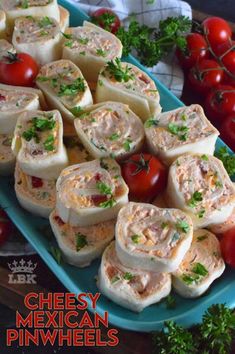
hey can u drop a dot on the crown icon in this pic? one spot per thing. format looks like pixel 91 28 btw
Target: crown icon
pixel 22 266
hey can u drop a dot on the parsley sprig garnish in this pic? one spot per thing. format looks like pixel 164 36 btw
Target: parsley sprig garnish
pixel 121 74
pixel 152 44
pixel 24 4
pixel 45 22
pixel 103 188
pixel 213 336
pixel 106 19
pixel 181 131
pixel 72 89
pixel 81 241
pixel 227 159
pixel 195 199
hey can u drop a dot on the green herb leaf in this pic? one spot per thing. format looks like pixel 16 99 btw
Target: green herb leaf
pixel 101 53
pixel 128 276
pixel 24 4
pixel 227 159
pixel 49 143
pixel 72 89
pixel 190 278
pixel 195 199
pixel 56 253
pixel 204 157
pixel 170 302
pixel 126 145
pixel 30 134
pixel 67 36
pixel 76 111
pixel 103 188
pixel 199 269
pixel 108 204
pixel 43 124
pixel 201 213
pixel 106 19
pixel 135 238
pixel 116 70
pixel 180 131
pixel 115 279
pixel 83 40
pixel 183 226
pixel 114 136
pixel 81 241
pixel 45 22
pixel 202 238
pixel 151 122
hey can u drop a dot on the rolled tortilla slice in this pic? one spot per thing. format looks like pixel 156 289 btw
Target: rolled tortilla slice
pixel 225 226
pixel 76 151
pixel 180 131
pixel 90 192
pixel 7 158
pixel 201 265
pixel 126 83
pixel 152 238
pixel 64 87
pixel 200 185
pixel 64 18
pixel 81 245
pixel 34 194
pixel 90 47
pixel 132 288
pixel 14 101
pixel 16 8
pixel 38 144
pixel 3 24
pixel 110 130
pixel 31 34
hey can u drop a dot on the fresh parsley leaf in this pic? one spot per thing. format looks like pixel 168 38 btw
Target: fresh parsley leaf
pixel 199 269
pixel 30 134
pixel 183 226
pixel 164 225
pixel 106 19
pixel 126 145
pixel 190 278
pixel 56 253
pixel 108 203
pixel 135 238
pixel 170 302
pixel 24 4
pixel 201 213
pixel 173 339
pixel 180 131
pixel 128 276
pixel 114 136
pixel 81 241
pixel 83 40
pixel 49 143
pixel 43 124
pixel 67 36
pixel 104 188
pixel 121 74
pixel 101 53
pixel 43 78
pixel 72 89
pixel 195 199
pixel 202 238
pixel 45 22
pixel 115 279
pixel 68 44
pixel 204 157
pixel 227 159
pixel 151 122
pixel 76 111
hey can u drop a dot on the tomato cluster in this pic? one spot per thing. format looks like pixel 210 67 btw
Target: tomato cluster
pixel 209 65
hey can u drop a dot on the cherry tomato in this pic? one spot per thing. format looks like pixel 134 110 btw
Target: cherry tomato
pixel 219 103
pixel 216 30
pixel 145 176
pixel 195 51
pixel 5 227
pixel 227 131
pixel 227 245
pixel 205 75
pixel 37 182
pixel 18 69
pixel 106 19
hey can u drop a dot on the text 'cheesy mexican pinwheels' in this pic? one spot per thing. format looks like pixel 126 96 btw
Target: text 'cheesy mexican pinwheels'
pixel 174 133
pixel 132 288
pixel 200 185
pixel 38 144
pixel 111 129
pixel 201 265
pixel 126 83
pixel 64 87
pixel 38 36
pixel 81 245
pixel 35 194
pixel 152 238
pixel 90 47
pixel 91 192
